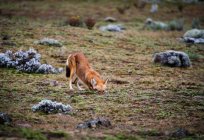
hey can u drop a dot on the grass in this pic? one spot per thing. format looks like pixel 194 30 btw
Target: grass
pixel 143 100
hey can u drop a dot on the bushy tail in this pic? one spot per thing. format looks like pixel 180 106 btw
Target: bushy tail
pixel 67 68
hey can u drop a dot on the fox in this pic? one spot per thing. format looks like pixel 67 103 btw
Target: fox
pixel 77 65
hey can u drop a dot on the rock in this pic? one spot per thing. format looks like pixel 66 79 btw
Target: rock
pixel 155 25
pixel 26 61
pixel 5 118
pixel 112 28
pixel 194 33
pixel 180 132
pixel 193 36
pixel 154 8
pixel 110 19
pixel 6 37
pixel 49 42
pixel 48 106
pixel 172 58
pixel 158 25
pixel 93 123
pixel 190 40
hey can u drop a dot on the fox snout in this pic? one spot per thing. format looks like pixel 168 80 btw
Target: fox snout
pixel 99 86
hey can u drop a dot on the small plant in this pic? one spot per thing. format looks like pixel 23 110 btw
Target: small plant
pixel 75 21
pixel 31 134
pixel 90 22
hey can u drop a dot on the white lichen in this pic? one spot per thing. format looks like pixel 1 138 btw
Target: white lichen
pixel 158 25
pixel 48 106
pixel 112 28
pixel 172 58
pixel 49 42
pixel 26 61
pixel 194 36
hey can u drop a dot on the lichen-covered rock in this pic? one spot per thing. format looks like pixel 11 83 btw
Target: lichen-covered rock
pixel 172 58
pixel 93 123
pixel 158 25
pixel 49 42
pixel 155 25
pixel 154 8
pixel 4 118
pixel 194 36
pixel 194 33
pixel 112 28
pixel 110 19
pixel 26 61
pixel 48 106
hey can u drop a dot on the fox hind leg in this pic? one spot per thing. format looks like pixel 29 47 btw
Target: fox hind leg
pixel 70 70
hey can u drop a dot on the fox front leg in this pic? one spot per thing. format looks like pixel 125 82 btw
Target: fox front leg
pixel 80 88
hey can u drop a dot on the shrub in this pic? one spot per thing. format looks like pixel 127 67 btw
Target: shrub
pixel 90 22
pixel 75 21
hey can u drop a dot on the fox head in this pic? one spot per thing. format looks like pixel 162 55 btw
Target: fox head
pixel 99 85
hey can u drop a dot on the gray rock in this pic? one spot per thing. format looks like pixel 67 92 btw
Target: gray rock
pixel 154 8
pixel 158 25
pixel 172 58
pixel 190 40
pixel 155 25
pixel 112 28
pixel 48 106
pixel 193 36
pixel 110 19
pixel 5 118
pixel 180 132
pixel 194 33
pixel 93 123
pixel 49 42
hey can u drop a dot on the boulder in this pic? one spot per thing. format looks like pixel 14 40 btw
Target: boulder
pixel 93 123
pixel 5 118
pixel 48 106
pixel 172 58
pixel 112 28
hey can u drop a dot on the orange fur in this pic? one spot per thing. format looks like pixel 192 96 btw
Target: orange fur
pixel 78 65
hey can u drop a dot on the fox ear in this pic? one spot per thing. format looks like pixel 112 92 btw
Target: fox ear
pixel 106 81
pixel 93 82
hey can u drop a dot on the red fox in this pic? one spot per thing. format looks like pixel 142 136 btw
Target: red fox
pixel 78 65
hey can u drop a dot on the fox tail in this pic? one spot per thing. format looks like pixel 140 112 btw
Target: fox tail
pixel 67 68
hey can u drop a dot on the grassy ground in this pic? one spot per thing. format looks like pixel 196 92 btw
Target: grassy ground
pixel 144 101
